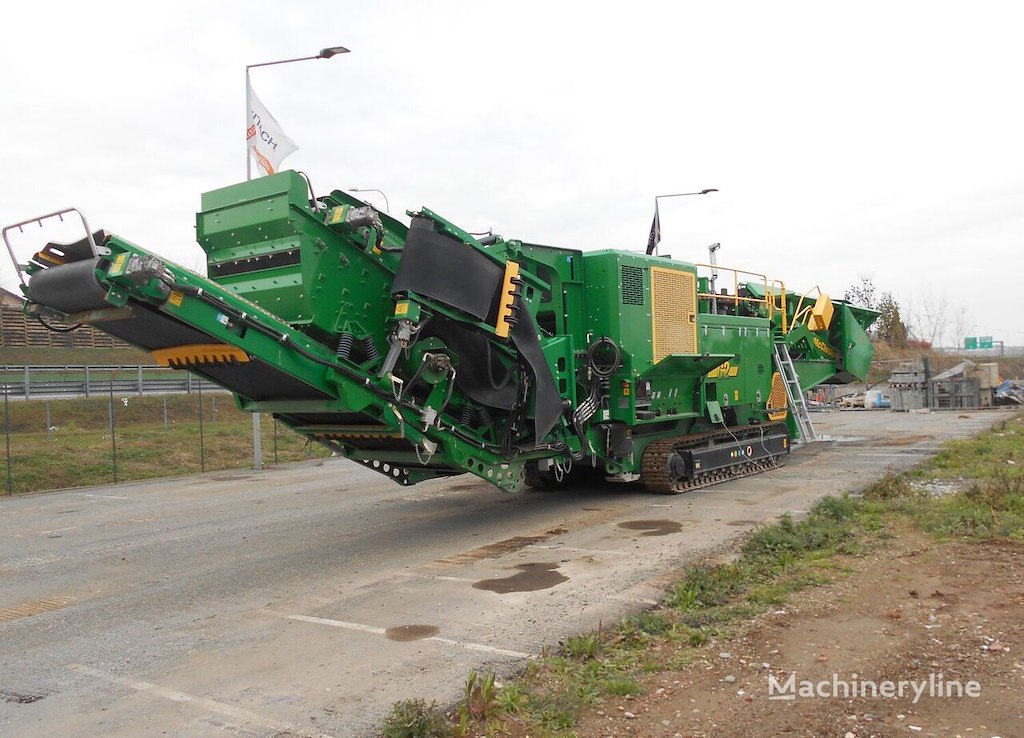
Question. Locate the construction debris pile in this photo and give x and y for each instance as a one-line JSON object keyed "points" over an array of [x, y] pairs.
{"points": [[964, 387], [1010, 392]]}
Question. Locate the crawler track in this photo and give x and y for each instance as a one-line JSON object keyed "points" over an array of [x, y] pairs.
{"points": [[655, 464]]}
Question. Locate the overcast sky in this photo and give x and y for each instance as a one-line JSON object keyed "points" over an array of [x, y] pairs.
{"points": [[883, 139]]}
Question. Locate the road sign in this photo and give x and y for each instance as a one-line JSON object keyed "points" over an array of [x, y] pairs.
{"points": [[985, 342], [971, 342]]}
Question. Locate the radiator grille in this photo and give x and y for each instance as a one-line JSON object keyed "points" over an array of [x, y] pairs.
{"points": [[673, 312], [632, 285]]}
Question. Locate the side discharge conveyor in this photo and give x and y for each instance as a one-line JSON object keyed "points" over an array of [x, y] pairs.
{"points": [[422, 351]]}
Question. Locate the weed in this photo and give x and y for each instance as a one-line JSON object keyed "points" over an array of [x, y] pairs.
{"points": [[583, 647], [891, 486], [652, 623], [416, 719], [706, 586], [511, 699], [622, 686], [481, 699]]}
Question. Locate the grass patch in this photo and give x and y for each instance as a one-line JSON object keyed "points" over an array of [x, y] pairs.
{"points": [[711, 601], [78, 449], [416, 719]]}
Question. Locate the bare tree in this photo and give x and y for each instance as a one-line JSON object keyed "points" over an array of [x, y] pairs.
{"points": [[928, 318], [861, 294], [960, 324]]}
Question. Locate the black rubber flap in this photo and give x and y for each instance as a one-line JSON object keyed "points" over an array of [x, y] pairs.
{"points": [[70, 288], [437, 266], [480, 374], [65, 253], [548, 405], [458, 275]]}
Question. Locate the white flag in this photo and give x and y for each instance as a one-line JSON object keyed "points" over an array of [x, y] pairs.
{"points": [[267, 143]]}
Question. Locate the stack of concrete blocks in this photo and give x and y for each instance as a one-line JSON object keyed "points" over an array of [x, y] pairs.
{"points": [[909, 388]]}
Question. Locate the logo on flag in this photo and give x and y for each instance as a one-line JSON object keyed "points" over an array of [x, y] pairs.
{"points": [[655, 238], [267, 143]]}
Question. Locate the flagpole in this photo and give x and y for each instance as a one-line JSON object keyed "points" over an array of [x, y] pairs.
{"points": [[655, 238], [324, 54], [257, 446], [248, 117]]}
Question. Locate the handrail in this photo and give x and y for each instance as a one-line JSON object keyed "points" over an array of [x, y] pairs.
{"points": [[801, 310], [773, 289]]}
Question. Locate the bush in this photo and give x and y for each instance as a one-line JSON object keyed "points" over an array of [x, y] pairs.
{"points": [[416, 719]]}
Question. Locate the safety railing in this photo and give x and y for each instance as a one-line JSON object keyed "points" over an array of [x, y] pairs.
{"points": [[774, 299]]}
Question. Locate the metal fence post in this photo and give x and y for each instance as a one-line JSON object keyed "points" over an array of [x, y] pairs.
{"points": [[165, 411], [28, 379], [257, 443], [87, 382], [140, 380], [202, 443], [113, 429], [7, 435]]}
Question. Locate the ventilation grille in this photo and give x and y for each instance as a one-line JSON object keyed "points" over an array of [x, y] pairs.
{"points": [[632, 285], [778, 403], [673, 313]]}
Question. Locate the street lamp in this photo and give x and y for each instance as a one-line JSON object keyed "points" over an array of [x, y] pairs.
{"points": [[387, 206], [655, 237], [324, 54], [257, 446]]}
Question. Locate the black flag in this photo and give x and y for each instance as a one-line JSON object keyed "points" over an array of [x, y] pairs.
{"points": [[655, 237]]}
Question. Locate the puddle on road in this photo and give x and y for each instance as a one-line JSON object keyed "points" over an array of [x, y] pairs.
{"points": [[906, 440], [531, 578], [500, 548], [410, 632], [653, 527]]}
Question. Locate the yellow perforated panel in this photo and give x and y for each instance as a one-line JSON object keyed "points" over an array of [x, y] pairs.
{"points": [[778, 405], [673, 312]]}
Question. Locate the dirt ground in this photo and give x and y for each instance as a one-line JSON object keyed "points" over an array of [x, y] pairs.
{"points": [[916, 609]]}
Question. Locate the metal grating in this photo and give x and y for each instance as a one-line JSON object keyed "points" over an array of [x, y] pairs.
{"points": [[632, 285], [778, 405], [673, 312]]}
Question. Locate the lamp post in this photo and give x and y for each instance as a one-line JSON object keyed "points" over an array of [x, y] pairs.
{"points": [[324, 54], [655, 237], [387, 206], [257, 437]]}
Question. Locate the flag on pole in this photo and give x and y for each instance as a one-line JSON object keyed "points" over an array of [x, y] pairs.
{"points": [[267, 143], [655, 237]]}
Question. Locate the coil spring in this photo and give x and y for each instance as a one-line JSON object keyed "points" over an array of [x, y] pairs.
{"points": [[345, 345], [370, 348], [484, 415], [465, 415]]}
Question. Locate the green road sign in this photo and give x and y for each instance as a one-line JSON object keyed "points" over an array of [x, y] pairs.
{"points": [[985, 342], [971, 342]]}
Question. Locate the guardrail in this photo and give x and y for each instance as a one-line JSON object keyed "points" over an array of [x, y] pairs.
{"points": [[29, 382]]}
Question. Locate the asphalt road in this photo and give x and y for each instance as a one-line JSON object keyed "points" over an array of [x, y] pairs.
{"points": [[304, 600]]}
